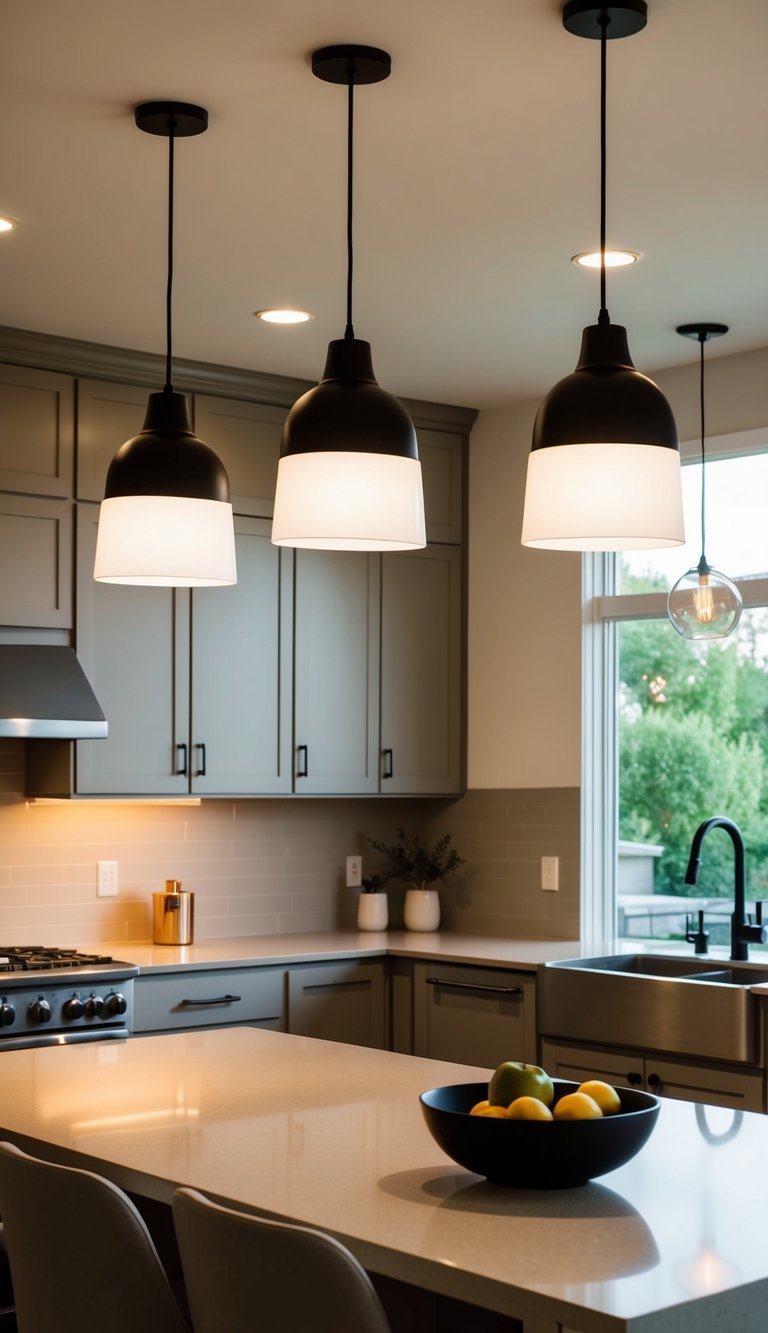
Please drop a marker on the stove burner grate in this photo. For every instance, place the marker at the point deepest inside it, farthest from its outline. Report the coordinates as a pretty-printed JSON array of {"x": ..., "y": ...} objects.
[{"x": 38, "y": 958}]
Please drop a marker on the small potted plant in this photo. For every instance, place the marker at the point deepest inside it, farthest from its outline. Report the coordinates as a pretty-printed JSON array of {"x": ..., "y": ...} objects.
[
  {"x": 420, "y": 867},
  {"x": 372, "y": 908}
]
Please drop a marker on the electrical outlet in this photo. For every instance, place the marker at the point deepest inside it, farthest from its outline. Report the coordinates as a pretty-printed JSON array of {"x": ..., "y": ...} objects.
[
  {"x": 106, "y": 883},
  {"x": 354, "y": 872},
  {"x": 550, "y": 873}
]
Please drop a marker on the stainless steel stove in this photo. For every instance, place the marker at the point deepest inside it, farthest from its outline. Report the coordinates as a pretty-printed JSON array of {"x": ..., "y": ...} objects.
[{"x": 49, "y": 997}]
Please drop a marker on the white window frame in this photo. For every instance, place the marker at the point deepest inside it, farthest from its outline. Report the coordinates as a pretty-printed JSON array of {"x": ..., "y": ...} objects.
[{"x": 602, "y": 609}]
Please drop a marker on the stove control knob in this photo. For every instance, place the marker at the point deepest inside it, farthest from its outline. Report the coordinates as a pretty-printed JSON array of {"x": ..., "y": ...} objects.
[
  {"x": 40, "y": 1012},
  {"x": 73, "y": 1008},
  {"x": 115, "y": 1003},
  {"x": 7, "y": 1014},
  {"x": 94, "y": 1006}
]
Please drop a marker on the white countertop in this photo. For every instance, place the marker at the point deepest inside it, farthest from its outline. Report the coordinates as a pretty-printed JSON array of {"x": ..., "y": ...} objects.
[
  {"x": 332, "y": 1136},
  {"x": 254, "y": 950}
]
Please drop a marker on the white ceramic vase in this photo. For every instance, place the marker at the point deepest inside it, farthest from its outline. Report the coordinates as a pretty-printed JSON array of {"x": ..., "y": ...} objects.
[
  {"x": 422, "y": 909},
  {"x": 372, "y": 911}
]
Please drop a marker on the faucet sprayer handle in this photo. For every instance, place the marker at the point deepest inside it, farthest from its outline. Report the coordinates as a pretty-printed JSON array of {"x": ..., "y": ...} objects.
[{"x": 758, "y": 913}]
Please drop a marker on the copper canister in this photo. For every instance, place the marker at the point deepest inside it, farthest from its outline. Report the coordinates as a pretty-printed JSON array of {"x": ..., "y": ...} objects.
[{"x": 173, "y": 914}]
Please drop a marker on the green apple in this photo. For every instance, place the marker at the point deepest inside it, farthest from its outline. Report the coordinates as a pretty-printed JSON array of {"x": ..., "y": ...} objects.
[{"x": 512, "y": 1080}]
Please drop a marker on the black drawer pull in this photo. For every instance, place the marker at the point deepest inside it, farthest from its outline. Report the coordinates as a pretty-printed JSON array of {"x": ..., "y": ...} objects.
[
  {"x": 302, "y": 761},
  {"x": 387, "y": 769},
  {"x": 219, "y": 999},
  {"x": 181, "y": 760},
  {"x": 201, "y": 771},
  {"x": 475, "y": 985}
]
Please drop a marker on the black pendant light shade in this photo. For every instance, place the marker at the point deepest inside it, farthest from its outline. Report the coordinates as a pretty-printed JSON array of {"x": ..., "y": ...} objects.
[
  {"x": 604, "y": 468},
  {"x": 703, "y": 604},
  {"x": 166, "y": 519},
  {"x": 349, "y": 476}
]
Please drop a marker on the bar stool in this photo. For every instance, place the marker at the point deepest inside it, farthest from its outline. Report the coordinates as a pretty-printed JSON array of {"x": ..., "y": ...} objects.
[
  {"x": 81, "y": 1257},
  {"x": 244, "y": 1272}
]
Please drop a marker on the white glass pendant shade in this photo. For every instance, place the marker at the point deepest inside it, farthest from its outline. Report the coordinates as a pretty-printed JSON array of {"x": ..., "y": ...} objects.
[
  {"x": 165, "y": 541},
  {"x": 603, "y": 497},
  {"x": 704, "y": 604},
  {"x": 349, "y": 502}
]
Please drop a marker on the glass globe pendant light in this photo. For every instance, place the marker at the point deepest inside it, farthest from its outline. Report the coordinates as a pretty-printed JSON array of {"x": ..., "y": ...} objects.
[
  {"x": 349, "y": 476},
  {"x": 604, "y": 468},
  {"x": 165, "y": 519},
  {"x": 704, "y": 604}
]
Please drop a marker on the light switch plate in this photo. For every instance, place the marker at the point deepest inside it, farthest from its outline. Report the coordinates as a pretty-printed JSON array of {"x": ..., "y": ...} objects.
[
  {"x": 106, "y": 883},
  {"x": 354, "y": 872},
  {"x": 550, "y": 873}
]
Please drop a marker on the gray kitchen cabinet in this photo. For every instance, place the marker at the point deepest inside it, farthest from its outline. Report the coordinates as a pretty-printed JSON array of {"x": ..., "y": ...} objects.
[
  {"x": 421, "y": 672},
  {"x": 474, "y": 1015},
  {"x": 215, "y": 997},
  {"x": 687, "y": 1080},
  {"x": 339, "y": 1001},
  {"x": 336, "y": 672},
  {"x": 195, "y": 687},
  {"x": 36, "y": 431},
  {"x": 107, "y": 415},
  {"x": 246, "y": 436},
  {"x": 442, "y": 470},
  {"x": 35, "y": 561}
]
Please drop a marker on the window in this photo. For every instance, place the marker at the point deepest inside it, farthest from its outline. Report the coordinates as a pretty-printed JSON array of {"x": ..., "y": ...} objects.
[{"x": 675, "y": 730}]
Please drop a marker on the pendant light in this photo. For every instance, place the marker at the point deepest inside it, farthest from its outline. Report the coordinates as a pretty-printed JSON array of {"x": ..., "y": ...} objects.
[
  {"x": 165, "y": 519},
  {"x": 703, "y": 604},
  {"x": 604, "y": 468},
  {"x": 349, "y": 476}
]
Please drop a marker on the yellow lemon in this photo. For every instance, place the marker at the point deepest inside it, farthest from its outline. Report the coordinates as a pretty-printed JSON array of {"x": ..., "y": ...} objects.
[
  {"x": 577, "y": 1106},
  {"x": 479, "y": 1108},
  {"x": 528, "y": 1108},
  {"x": 606, "y": 1097},
  {"x": 496, "y": 1112}
]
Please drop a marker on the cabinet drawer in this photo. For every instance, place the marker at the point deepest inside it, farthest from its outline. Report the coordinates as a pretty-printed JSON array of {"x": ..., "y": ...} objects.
[
  {"x": 338, "y": 1002},
  {"x": 210, "y": 999},
  {"x": 474, "y": 1015}
]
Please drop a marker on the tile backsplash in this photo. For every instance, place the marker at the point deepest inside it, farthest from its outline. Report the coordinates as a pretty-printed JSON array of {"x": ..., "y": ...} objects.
[{"x": 262, "y": 867}]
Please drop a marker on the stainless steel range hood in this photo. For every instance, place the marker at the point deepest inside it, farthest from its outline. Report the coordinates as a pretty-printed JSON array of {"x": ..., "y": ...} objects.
[{"x": 45, "y": 695}]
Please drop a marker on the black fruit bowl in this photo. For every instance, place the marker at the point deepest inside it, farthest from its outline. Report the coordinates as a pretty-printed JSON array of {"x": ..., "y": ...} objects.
[{"x": 537, "y": 1154}]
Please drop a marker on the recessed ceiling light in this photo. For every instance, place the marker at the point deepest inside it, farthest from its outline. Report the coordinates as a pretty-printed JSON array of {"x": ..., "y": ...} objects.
[
  {"x": 283, "y": 316},
  {"x": 613, "y": 258},
  {"x": 7, "y": 224}
]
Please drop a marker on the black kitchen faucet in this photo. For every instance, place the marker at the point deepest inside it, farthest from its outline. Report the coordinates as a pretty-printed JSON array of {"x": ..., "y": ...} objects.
[{"x": 743, "y": 932}]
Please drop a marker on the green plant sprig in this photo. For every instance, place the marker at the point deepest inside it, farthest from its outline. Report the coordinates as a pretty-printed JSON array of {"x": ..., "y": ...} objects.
[{"x": 414, "y": 862}]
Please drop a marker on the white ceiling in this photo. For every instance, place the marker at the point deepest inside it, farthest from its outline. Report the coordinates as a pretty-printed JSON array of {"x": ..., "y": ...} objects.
[{"x": 476, "y": 180}]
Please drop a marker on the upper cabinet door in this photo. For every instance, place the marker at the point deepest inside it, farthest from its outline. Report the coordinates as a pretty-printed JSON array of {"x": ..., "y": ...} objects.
[
  {"x": 336, "y": 684},
  {"x": 442, "y": 470},
  {"x": 36, "y": 437},
  {"x": 133, "y": 644},
  {"x": 246, "y": 436},
  {"x": 241, "y": 673},
  {"x": 421, "y": 672},
  {"x": 107, "y": 416},
  {"x": 35, "y": 561}
]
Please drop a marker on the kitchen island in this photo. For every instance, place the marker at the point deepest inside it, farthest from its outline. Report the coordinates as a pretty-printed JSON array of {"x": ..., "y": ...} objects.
[{"x": 332, "y": 1136}]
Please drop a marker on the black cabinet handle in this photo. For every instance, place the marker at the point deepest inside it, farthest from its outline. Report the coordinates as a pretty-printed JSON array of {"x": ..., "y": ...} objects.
[
  {"x": 202, "y": 765},
  {"x": 302, "y": 761},
  {"x": 475, "y": 985},
  {"x": 181, "y": 759},
  {"x": 218, "y": 999},
  {"x": 654, "y": 1080},
  {"x": 634, "y": 1080},
  {"x": 387, "y": 771}
]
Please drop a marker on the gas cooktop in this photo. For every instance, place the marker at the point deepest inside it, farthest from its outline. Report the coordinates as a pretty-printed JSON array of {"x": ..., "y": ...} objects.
[{"x": 38, "y": 958}]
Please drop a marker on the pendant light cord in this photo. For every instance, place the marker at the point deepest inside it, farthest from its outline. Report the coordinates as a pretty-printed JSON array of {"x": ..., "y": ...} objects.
[
  {"x": 604, "y": 20},
  {"x": 703, "y": 562},
  {"x": 349, "y": 332},
  {"x": 168, "y": 387}
]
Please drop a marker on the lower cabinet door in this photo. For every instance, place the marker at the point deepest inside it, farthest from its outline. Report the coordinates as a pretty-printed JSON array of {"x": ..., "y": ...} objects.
[
  {"x": 474, "y": 1015},
  {"x": 577, "y": 1063},
  {"x": 338, "y": 1002}
]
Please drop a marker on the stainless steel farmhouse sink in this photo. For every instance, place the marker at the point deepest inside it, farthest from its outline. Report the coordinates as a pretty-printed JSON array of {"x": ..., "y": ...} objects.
[{"x": 684, "y": 1006}]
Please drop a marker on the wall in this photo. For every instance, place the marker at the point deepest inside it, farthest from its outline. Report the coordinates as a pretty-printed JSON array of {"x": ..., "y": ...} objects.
[{"x": 257, "y": 867}]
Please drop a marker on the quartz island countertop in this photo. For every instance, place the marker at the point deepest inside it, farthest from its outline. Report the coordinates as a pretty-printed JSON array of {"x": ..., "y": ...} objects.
[{"x": 332, "y": 1136}]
